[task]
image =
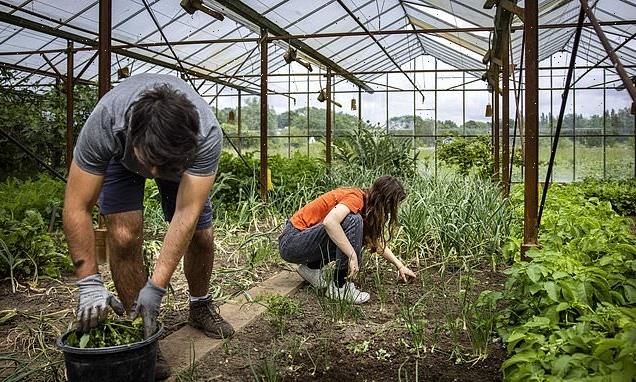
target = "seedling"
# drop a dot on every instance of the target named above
(359, 348)
(280, 309)
(382, 355)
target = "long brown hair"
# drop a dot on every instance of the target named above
(381, 203)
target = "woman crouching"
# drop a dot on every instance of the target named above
(335, 227)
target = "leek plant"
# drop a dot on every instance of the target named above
(453, 220)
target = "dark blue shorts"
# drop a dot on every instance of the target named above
(123, 191)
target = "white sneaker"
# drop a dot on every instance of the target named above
(312, 276)
(348, 292)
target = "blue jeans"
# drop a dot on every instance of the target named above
(314, 248)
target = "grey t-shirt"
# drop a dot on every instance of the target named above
(103, 137)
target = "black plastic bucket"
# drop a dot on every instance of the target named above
(132, 362)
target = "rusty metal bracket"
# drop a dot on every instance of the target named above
(507, 5)
(52, 66)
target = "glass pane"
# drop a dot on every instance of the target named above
(250, 145)
(278, 146)
(374, 108)
(426, 157)
(401, 113)
(563, 170)
(589, 157)
(619, 157)
(299, 145)
(449, 113)
(476, 121)
(250, 116)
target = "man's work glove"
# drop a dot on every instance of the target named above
(94, 299)
(147, 305)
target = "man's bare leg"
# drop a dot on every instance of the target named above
(198, 262)
(125, 237)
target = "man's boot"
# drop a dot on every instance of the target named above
(204, 315)
(162, 369)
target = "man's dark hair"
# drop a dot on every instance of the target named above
(164, 129)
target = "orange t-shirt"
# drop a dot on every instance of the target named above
(316, 211)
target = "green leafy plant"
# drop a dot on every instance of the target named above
(453, 219)
(570, 311)
(268, 370)
(411, 317)
(359, 347)
(620, 193)
(109, 333)
(376, 150)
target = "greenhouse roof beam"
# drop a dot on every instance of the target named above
(254, 17)
(41, 72)
(353, 16)
(35, 26)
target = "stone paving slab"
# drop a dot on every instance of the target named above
(177, 347)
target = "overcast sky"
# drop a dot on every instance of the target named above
(449, 103)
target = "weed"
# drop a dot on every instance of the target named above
(268, 370)
(337, 309)
(382, 355)
(359, 348)
(379, 284)
(280, 309)
(11, 262)
(409, 314)
(190, 374)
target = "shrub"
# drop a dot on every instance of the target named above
(620, 193)
(25, 209)
(377, 151)
(467, 155)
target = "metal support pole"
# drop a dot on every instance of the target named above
(238, 121)
(359, 107)
(518, 120)
(531, 180)
(69, 105)
(105, 10)
(629, 85)
(564, 101)
(264, 129)
(328, 127)
(505, 112)
(496, 129)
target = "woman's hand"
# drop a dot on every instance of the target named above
(404, 273)
(353, 266)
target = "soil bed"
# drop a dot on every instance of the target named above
(313, 347)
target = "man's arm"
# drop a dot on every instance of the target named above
(82, 191)
(193, 192)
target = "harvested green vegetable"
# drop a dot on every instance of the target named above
(109, 333)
